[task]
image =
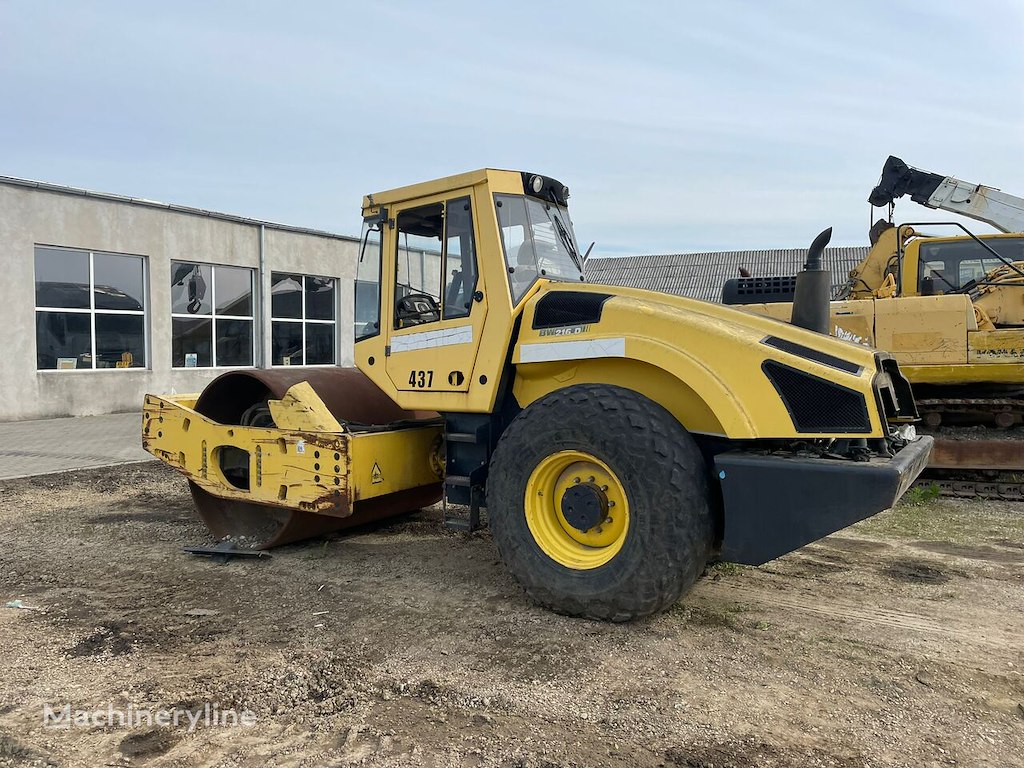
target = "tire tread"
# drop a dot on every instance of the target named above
(664, 473)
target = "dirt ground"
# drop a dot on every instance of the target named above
(899, 641)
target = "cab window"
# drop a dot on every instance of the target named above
(538, 241)
(436, 273)
(948, 266)
(418, 268)
(367, 286)
(460, 258)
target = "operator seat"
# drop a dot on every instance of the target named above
(526, 268)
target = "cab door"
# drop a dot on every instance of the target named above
(436, 315)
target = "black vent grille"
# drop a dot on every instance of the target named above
(758, 290)
(811, 354)
(816, 405)
(569, 308)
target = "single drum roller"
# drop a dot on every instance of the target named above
(322, 450)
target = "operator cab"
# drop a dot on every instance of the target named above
(438, 258)
(438, 240)
(948, 265)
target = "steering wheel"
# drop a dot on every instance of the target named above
(416, 308)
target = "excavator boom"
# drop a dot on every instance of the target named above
(945, 193)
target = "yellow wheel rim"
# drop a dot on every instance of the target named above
(576, 509)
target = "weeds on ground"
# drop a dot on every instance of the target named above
(726, 569)
(710, 616)
(920, 495)
(960, 521)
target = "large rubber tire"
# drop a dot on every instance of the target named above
(662, 473)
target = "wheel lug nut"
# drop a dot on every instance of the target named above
(611, 503)
(591, 479)
(604, 487)
(576, 481)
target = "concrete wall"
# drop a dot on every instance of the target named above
(30, 217)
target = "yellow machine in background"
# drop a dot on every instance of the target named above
(950, 308)
(619, 439)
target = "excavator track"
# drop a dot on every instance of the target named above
(975, 461)
(977, 489)
(1005, 413)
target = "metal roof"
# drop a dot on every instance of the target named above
(14, 181)
(702, 275)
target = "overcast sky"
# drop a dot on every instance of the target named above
(678, 127)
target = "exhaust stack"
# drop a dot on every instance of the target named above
(813, 289)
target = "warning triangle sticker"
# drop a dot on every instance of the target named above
(376, 476)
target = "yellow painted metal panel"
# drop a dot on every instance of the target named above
(499, 181)
(310, 470)
(385, 462)
(851, 320)
(302, 409)
(998, 346)
(854, 321)
(534, 380)
(924, 330)
(713, 354)
(992, 373)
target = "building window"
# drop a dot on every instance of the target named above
(90, 309)
(303, 319)
(211, 315)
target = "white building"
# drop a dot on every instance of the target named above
(108, 297)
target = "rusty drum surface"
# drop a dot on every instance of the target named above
(351, 397)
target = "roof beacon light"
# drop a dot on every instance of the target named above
(537, 184)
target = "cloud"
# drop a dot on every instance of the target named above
(677, 126)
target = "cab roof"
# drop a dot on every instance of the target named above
(501, 180)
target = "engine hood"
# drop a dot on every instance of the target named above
(720, 370)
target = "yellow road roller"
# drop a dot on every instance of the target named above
(619, 440)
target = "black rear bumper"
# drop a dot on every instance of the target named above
(775, 504)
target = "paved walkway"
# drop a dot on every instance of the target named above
(57, 445)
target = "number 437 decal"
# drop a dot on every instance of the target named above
(421, 379)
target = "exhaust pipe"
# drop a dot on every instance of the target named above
(813, 289)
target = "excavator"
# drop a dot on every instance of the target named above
(619, 439)
(949, 307)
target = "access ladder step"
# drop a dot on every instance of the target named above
(461, 437)
(464, 524)
(471, 521)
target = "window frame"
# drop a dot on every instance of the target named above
(931, 251)
(445, 200)
(530, 235)
(213, 316)
(302, 320)
(445, 269)
(401, 290)
(92, 311)
(370, 224)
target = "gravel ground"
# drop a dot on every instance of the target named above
(894, 643)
